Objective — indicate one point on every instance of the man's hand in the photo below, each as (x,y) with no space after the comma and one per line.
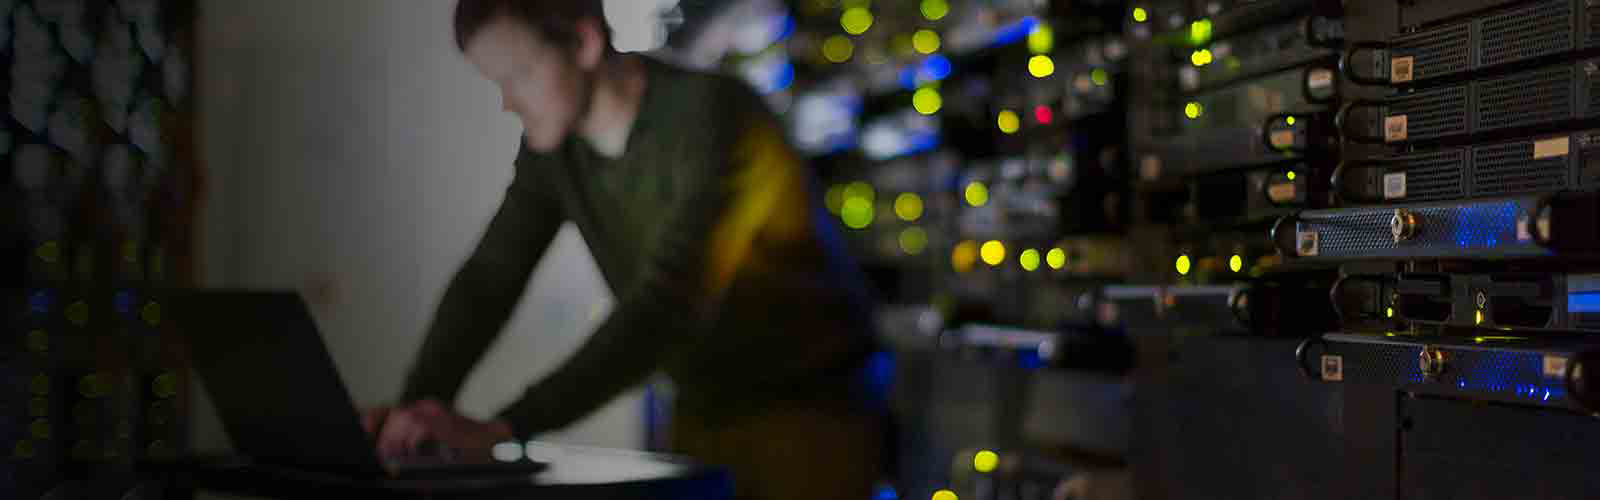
(401,431)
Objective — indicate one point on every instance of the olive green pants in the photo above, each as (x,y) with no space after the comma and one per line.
(799,453)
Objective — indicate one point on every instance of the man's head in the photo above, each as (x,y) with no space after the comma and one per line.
(541,54)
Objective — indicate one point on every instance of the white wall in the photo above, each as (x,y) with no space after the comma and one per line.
(351,151)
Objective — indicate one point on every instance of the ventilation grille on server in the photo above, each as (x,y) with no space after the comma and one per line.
(1482,226)
(1594,88)
(1380,363)
(1433,113)
(1434,175)
(1511,168)
(1437,52)
(1530,98)
(1527,32)
(1593,13)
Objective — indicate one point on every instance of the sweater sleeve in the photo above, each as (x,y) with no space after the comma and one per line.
(485,290)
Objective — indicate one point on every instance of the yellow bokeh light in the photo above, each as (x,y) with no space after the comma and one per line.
(1290,174)
(985,461)
(838,49)
(934,10)
(993,252)
(945,495)
(927,101)
(1289,120)
(1479,318)
(1388,312)
(1009,122)
(856,20)
(1200,31)
(1056,258)
(1041,66)
(1099,76)
(913,240)
(1201,57)
(1236,263)
(1193,110)
(1042,39)
(908,206)
(964,256)
(977,194)
(1140,15)
(856,213)
(926,41)
(860,189)
(834,198)
(1029,260)
(1183,265)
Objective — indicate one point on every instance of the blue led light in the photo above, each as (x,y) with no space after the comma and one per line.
(936,66)
(1583,302)
(784,78)
(1029,359)
(788,28)
(1483,225)
(908,77)
(1014,32)
(40,302)
(123,301)
(886,492)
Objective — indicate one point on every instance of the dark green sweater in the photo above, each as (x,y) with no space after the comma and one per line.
(709,232)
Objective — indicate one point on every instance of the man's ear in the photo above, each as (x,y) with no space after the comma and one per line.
(591,45)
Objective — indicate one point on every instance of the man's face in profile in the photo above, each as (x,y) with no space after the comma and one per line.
(538,81)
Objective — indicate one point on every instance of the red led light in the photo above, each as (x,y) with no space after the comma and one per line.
(1043,114)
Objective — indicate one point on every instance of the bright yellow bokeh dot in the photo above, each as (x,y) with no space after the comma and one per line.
(927,101)
(1290,174)
(838,49)
(993,252)
(1388,312)
(856,213)
(1041,66)
(934,10)
(1289,120)
(860,189)
(1056,258)
(856,20)
(964,256)
(1099,76)
(1201,57)
(1140,15)
(834,198)
(1200,31)
(1479,318)
(985,461)
(1042,39)
(945,495)
(1009,122)
(926,41)
(1029,260)
(1236,263)
(908,206)
(977,194)
(913,240)
(1193,110)
(1183,265)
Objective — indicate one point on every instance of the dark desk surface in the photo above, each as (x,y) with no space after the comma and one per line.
(575,472)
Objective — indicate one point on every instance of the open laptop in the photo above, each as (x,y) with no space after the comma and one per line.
(280,398)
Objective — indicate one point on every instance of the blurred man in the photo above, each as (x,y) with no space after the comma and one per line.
(704,223)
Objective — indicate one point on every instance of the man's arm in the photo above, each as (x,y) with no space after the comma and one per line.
(484,291)
(708,238)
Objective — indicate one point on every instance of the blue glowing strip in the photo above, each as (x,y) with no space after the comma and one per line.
(1015,32)
(1583,302)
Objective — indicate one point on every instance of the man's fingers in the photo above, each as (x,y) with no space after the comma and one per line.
(373,418)
(400,431)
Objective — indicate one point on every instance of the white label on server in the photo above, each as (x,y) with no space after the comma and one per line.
(1306,243)
(1394,185)
(1558,146)
(1522,229)
(1555,366)
(1319,79)
(1394,128)
(1400,69)
(1332,367)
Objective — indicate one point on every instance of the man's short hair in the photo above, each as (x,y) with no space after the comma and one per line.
(553,20)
